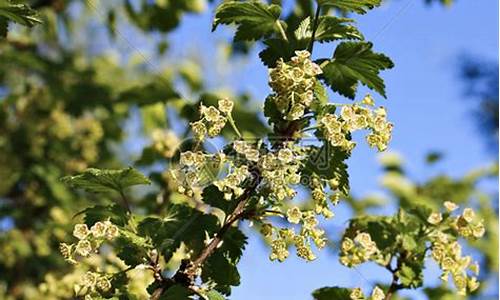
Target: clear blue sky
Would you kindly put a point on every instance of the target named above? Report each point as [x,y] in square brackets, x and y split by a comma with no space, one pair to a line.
[425,101]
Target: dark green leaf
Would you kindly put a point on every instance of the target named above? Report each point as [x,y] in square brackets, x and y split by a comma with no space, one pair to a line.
[176,292]
[4,25]
[279,48]
[215,198]
[329,162]
[357,6]
[115,213]
[131,248]
[410,275]
[221,271]
[254,19]
[182,224]
[353,62]
[98,181]
[160,90]
[332,293]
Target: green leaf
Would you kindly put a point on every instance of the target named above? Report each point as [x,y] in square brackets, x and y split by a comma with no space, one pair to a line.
[357,6]
[353,62]
[99,181]
[176,292]
[131,248]
[182,224]
[115,213]
[19,13]
[160,90]
[271,111]
[221,271]
[220,268]
[332,28]
[279,48]
[254,19]
[4,26]
[329,162]
[329,29]
[332,293]
[410,275]
[215,198]
[320,98]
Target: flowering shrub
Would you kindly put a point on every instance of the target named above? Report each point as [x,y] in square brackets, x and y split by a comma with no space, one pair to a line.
[191,245]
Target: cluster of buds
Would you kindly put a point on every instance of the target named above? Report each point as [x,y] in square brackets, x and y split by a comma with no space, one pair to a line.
[165,142]
[355,117]
[320,197]
[92,283]
[448,254]
[358,250]
[308,235]
[89,239]
[377,294]
[293,84]
[212,119]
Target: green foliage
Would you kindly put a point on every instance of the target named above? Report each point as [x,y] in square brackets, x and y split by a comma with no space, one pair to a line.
[254,19]
[330,293]
[18,13]
[353,62]
[99,181]
[69,112]
[357,6]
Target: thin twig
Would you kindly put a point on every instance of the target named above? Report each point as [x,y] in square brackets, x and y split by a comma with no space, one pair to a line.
[315,27]
[282,31]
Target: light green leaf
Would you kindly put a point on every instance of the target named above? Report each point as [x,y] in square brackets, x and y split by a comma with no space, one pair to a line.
[254,19]
[329,29]
[214,295]
[353,62]
[100,181]
[333,28]
[357,6]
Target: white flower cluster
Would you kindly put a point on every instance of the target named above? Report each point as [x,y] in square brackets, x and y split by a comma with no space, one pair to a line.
[302,241]
[92,283]
[231,184]
[293,84]
[377,294]
[358,250]
[187,175]
[280,171]
[212,119]
[448,254]
[356,117]
[89,239]
[467,224]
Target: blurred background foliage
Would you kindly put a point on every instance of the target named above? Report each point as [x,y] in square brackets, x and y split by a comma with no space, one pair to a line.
[65,106]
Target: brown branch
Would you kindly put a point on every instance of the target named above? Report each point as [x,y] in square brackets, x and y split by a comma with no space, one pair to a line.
[188,270]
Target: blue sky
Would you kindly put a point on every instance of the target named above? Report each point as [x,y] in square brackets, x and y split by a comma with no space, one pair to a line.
[425,101]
